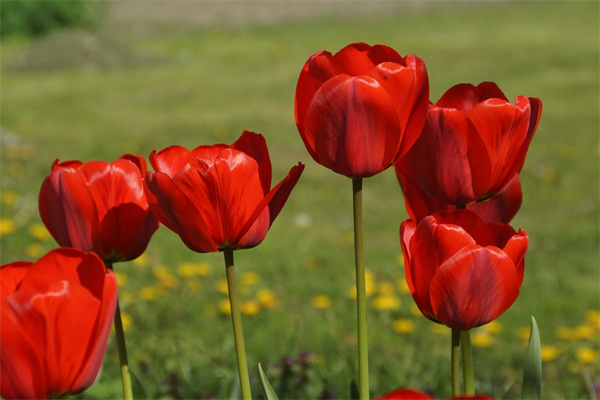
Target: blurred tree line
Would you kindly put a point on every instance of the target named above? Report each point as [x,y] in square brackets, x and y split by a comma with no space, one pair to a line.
[38,17]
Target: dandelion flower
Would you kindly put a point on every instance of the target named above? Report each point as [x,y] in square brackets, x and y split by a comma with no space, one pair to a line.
[321,302]
[403,325]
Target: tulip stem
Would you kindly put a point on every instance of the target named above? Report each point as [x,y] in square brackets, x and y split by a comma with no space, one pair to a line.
[361,292]
[122,348]
[467,362]
[236,320]
[455,362]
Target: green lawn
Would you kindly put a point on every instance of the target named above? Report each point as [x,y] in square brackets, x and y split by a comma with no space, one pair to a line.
[201,85]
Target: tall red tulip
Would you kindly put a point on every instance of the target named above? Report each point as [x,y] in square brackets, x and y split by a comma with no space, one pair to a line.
[218,197]
[501,208]
[473,144]
[361,109]
[99,206]
[462,272]
[56,316]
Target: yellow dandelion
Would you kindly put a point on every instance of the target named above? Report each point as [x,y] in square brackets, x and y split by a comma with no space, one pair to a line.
[400,260]
[439,329]
[492,327]
[126,297]
[321,302]
[39,232]
[126,320]
[121,278]
[222,286]
[565,333]
[403,325]
[549,353]
[585,332]
[249,278]
[190,270]
[150,293]
[7,226]
[142,260]
[587,356]
[386,288]
[481,339]
[34,250]
[225,307]
[266,298]
[9,197]
[250,307]
[414,310]
[165,277]
[386,302]
[523,334]
[370,287]
[592,318]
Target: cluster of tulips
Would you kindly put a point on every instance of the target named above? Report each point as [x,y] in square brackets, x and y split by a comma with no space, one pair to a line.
[358,112]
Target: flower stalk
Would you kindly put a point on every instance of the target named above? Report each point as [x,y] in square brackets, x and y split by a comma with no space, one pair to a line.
[122,349]
[467,362]
[361,292]
[236,320]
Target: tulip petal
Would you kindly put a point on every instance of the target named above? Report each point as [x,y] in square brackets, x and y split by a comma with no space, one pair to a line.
[430,246]
[474,287]
[503,207]
[12,274]
[255,146]
[172,207]
[360,58]
[170,160]
[316,71]
[408,85]
[352,126]
[449,161]
[250,235]
[504,130]
[68,210]
[465,96]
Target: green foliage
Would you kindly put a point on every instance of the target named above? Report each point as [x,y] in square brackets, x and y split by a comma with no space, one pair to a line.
[35,18]
[532,372]
[268,391]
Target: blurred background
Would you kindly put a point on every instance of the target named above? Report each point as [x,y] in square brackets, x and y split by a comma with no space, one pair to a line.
[94,80]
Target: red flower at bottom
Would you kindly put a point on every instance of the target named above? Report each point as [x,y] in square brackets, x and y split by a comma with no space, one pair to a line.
[55,319]
[462,272]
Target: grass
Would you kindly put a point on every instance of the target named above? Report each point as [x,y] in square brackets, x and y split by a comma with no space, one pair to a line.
[207,84]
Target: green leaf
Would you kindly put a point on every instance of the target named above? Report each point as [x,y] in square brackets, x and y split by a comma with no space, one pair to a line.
[266,386]
[532,372]
[354,392]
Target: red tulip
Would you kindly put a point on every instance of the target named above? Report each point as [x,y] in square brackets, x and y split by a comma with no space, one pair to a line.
[473,144]
[218,197]
[405,394]
[462,272]
[55,320]
[361,109]
[100,207]
[501,208]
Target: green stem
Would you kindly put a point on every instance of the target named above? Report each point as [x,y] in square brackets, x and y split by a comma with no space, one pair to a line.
[467,361]
[122,348]
[238,332]
[455,362]
[361,291]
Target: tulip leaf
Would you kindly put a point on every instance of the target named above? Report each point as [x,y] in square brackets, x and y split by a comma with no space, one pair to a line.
[266,386]
[354,392]
[532,372]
